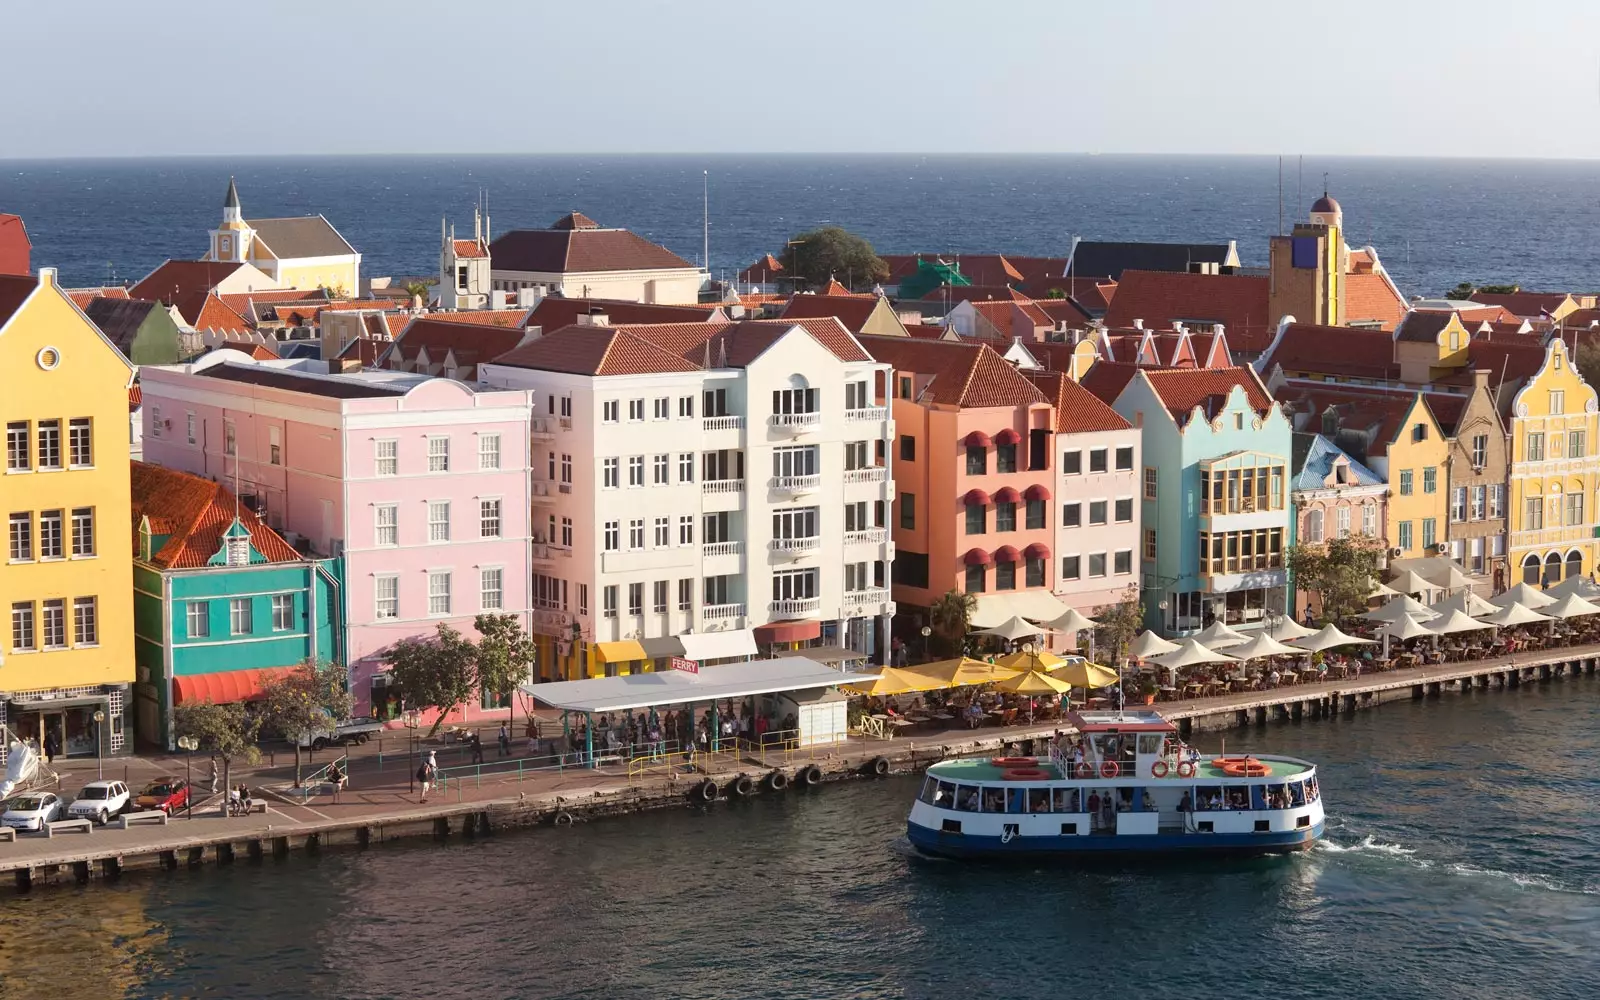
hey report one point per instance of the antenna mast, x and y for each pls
(705, 215)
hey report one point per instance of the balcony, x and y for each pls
(713, 549)
(856, 600)
(871, 474)
(542, 428)
(543, 491)
(721, 612)
(870, 536)
(547, 618)
(798, 608)
(796, 548)
(722, 486)
(797, 423)
(544, 554)
(723, 423)
(796, 484)
(1560, 535)
(867, 415)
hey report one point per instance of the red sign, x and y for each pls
(687, 666)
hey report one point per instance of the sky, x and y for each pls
(1399, 78)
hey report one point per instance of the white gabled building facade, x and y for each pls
(697, 479)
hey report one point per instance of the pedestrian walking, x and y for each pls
(425, 779)
(213, 775)
(477, 748)
(505, 741)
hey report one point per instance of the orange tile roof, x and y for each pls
(761, 271)
(470, 249)
(195, 512)
(179, 279)
(1077, 409)
(964, 374)
(1334, 350)
(1160, 298)
(597, 351)
(833, 287)
(554, 312)
(241, 302)
(470, 343)
(851, 310)
(1106, 380)
(213, 315)
(1528, 305)
(83, 296)
(1183, 389)
(481, 317)
(1369, 297)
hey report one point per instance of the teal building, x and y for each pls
(221, 601)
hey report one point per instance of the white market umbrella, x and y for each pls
(1404, 627)
(1403, 606)
(1456, 621)
(1580, 585)
(1410, 583)
(1287, 628)
(1261, 645)
(1528, 597)
(1571, 606)
(1452, 578)
(1013, 628)
(1190, 653)
(1217, 635)
(1148, 645)
(1466, 602)
(1513, 614)
(1328, 637)
(1072, 621)
(1379, 590)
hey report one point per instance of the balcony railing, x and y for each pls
(866, 598)
(871, 474)
(1557, 535)
(869, 414)
(720, 612)
(797, 484)
(796, 608)
(544, 552)
(542, 427)
(797, 546)
(723, 423)
(710, 549)
(722, 486)
(797, 421)
(870, 536)
(543, 490)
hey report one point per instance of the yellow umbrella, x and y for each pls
(1034, 682)
(960, 672)
(1031, 659)
(1079, 672)
(895, 681)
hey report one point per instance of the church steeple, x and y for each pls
(230, 205)
(231, 240)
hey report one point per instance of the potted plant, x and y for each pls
(1149, 688)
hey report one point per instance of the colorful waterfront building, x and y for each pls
(421, 484)
(1217, 519)
(1334, 496)
(66, 660)
(298, 252)
(221, 601)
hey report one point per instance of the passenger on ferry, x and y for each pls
(1038, 800)
(1186, 804)
(969, 798)
(994, 800)
(1147, 803)
(1094, 805)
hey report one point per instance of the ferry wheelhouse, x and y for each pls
(1128, 785)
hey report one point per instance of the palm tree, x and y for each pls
(951, 616)
(418, 289)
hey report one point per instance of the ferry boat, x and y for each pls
(1130, 786)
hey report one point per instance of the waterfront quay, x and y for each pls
(503, 793)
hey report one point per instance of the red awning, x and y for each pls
(977, 439)
(1006, 494)
(1007, 436)
(225, 686)
(975, 498)
(1038, 550)
(792, 631)
(1037, 492)
(976, 557)
(1006, 553)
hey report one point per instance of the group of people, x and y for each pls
(653, 733)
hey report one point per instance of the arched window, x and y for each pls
(1530, 570)
(1552, 568)
(1313, 526)
(1574, 564)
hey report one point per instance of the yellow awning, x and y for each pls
(897, 681)
(960, 672)
(1081, 673)
(1031, 659)
(1034, 682)
(621, 651)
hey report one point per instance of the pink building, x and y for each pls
(421, 484)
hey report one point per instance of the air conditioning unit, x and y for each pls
(1442, 548)
(1395, 553)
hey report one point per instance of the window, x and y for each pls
(1534, 518)
(663, 532)
(489, 519)
(1035, 572)
(1097, 564)
(238, 550)
(636, 534)
(1577, 444)
(49, 432)
(19, 458)
(1344, 522)
(686, 407)
(566, 532)
(438, 454)
(1097, 512)
(438, 520)
(21, 537)
(1535, 447)
(977, 460)
(1149, 482)
(80, 443)
(608, 597)
(53, 624)
(908, 448)
(1005, 517)
(1313, 526)
(85, 621)
(439, 592)
(1124, 510)
(790, 462)
(905, 387)
(908, 511)
(977, 519)
(636, 598)
(239, 616)
(1558, 402)
(1419, 432)
(1430, 479)
(1458, 503)
(83, 531)
(386, 457)
(1071, 515)
(386, 596)
(198, 617)
(613, 536)
(1404, 541)
(1097, 460)
(635, 411)
(795, 522)
(1574, 508)
(1497, 500)
(609, 473)
(1125, 458)
(658, 596)
(1122, 562)
(977, 579)
(1005, 458)
(1406, 482)
(22, 625)
(855, 577)
(636, 470)
(491, 589)
(794, 585)
(661, 408)
(1369, 520)
(686, 467)
(661, 470)
(686, 594)
(274, 446)
(1072, 463)
(189, 427)
(1005, 576)
(50, 528)
(717, 590)
(386, 524)
(1476, 509)
(489, 451)
(685, 529)
(1429, 532)
(1070, 568)
(608, 414)
(1149, 543)
(1035, 514)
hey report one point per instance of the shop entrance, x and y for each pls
(68, 731)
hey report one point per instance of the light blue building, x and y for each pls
(1217, 513)
(221, 601)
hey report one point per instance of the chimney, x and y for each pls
(1480, 379)
(1138, 324)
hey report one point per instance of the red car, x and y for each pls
(167, 794)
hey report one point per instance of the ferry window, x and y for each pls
(1067, 800)
(945, 795)
(967, 798)
(994, 800)
(929, 790)
(1016, 800)
(1311, 789)
(1150, 743)
(1297, 794)
(1258, 796)
(1208, 797)
(1039, 800)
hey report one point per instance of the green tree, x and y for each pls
(1116, 626)
(1465, 290)
(950, 617)
(310, 698)
(1587, 357)
(435, 673)
(424, 289)
(1340, 572)
(225, 730)
(832, 252)
(505, 657)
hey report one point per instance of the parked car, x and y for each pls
(99, 801)
(166, 794)
(348, 731)
(32, 810)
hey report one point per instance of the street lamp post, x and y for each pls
(926, 631)
(188, 744)
(99, 743)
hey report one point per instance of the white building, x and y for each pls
(464, 277)
(705, 478)
(578, 259)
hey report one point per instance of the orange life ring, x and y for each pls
(1013, 761)
(1245, 767)
(1158, 769)
(1025, 774)
(1083, 770)
(1109, 769)
(1220, 762)
(1186, 769)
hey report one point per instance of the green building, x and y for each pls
(143, 331)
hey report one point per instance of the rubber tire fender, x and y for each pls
(776, 781)
(742, 786)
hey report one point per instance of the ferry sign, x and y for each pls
(687, 666)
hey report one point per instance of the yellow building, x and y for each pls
(67, 584)
(1555, 472)
(302, 252)
(1418, 460)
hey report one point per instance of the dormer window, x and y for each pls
(1419, 432)
(239, 551)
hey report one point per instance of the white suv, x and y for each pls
(99, 801)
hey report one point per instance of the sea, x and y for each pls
(1462, 861)
(1434, 222)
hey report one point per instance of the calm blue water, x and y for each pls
(1434, 222)
(1463, 862)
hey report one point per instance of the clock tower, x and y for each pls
(231, 240)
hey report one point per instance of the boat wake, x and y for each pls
(1369, 844)
(1529, 880)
